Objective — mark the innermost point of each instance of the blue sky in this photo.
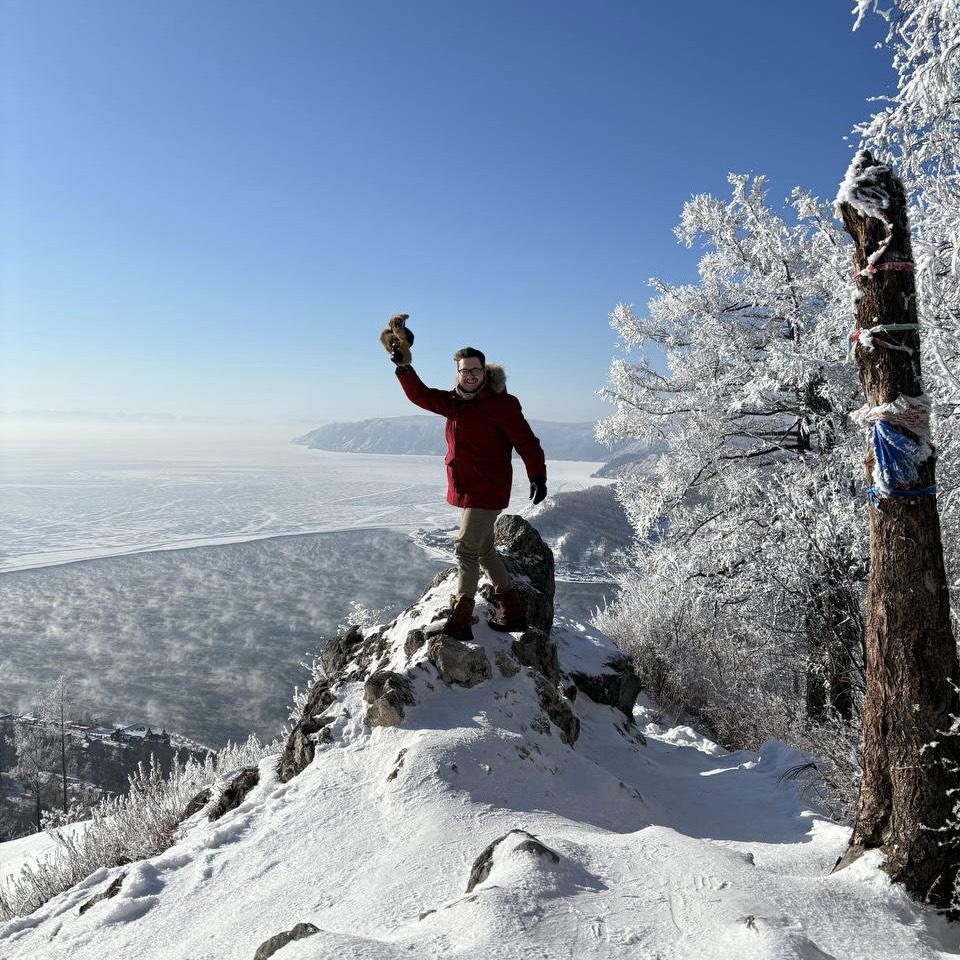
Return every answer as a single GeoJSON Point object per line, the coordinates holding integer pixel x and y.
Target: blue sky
{"type": "Point", "coordinates": [210, 208]}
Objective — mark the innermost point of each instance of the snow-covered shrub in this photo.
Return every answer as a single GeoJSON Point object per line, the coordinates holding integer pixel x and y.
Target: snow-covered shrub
{"type": "Point", "coordinates": [125, 829]}
{"type": "Point", "coordinates": [363, 617]}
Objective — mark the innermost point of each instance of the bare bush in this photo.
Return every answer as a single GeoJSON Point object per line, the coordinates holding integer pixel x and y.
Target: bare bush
{"type": "Point", "coordinates": [122, 830]}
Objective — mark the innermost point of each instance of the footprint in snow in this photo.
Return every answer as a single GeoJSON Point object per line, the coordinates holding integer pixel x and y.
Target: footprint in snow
{"type": "Point", "coordinates": [710, 884]}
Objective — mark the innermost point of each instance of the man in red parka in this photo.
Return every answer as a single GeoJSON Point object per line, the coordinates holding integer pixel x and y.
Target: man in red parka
{"type": "Point", "coordinates": [484, 425]}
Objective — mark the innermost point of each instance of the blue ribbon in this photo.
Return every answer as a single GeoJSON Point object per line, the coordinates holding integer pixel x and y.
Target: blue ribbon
{"type": "Point", "coordinates": [876, 494]}
{"type": "Point", "coordinates": [897, 456]}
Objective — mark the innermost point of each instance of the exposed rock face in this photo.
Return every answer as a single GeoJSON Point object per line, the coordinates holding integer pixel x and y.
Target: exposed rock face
{"type": "Point", "coordinates": [484, 863]}
{"type": "Point", "coordinates": [107, 894]}
{"type": "Point", "coordinates": [618, 689]}
{"type": "Point", "coordinates": [387, 693]}
{"type": "Point", "coordinates": [236, 790]}
{"type": "Point", "coordinates": [558, 710]}
{"type": "Point", "coordinates": [269, 947]}
{"type": "Point", "coordinates": [506, 664]}
{"type": "Point", "coordinates": [415, 640]}
{"type": "Point", "coordinates": [197, 803]}
{"type": "Point", "coordinates": [528, 558]}
{"type": "Point", "coordinates": [534, 649]}
{"type": "Point", "coordinates": [339, 651]}
{"type": "Point", "coordinates": [458, 662]}
{"type": "Point", "coordinates": [441, 577]}
{"type": "Point", "coordinates": [301, 747]}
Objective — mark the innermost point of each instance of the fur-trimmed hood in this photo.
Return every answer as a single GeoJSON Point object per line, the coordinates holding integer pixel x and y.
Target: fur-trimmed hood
{"type": "Point", "coordinates": [496, 378]}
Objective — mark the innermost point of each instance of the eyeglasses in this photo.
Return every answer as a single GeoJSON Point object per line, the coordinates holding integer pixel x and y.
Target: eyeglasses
{"type": "Point", "coordinates": [470, 371]}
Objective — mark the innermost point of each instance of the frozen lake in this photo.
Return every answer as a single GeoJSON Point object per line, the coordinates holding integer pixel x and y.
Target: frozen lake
{"type": "Point", "coordinates": [180, 574]}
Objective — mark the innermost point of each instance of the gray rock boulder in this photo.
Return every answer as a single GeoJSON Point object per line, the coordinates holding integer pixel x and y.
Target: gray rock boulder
{"type": "Point", "coordinates": [235, 792]}
{"type": "Point", "coordinates": [339, 651]}
{"type": "Point", "coordinates": [484, 863]}
{"type": "Point", "coordinates": [387, 693]}
{"type": "Point", "coordinates": [531, 565]}
{"type": "Point", "coordinates": [619, 688]}
{"type": "Point", "coordinates": [457, 662]}
{"type": "Point", "coordinates": [558, 709]}
{"type": "Point", "coordinates": [415, 640]}
{"type": "Point", "coordinates": [109, 893]}
{"type": "Point", "coordinates": [535, 649]}
{"type": "Point", "coordinates": [269, 947]}
{"type": "Point", "coordinates": [301, 746]}
{"type": "Point", "coordinates": [199, 801]}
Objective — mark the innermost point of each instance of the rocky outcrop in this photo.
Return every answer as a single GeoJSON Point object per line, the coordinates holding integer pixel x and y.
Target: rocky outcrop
{"type": "Point", "coordinates": [235, 792]}
{"type": "Point", "coordinates": [111, 891]}
{"type": "Point", "coordinates": [529, 845]}
{"type": "Point", "coordinates": [458, 663]}
{"type": "Point", "coordinates": [507, 666]}
{"type": "Point", "coordinates": [197, 803]}
{"type": "Point", "coordinates": [339, 651]}
{"type": "Point", "coordinates": [618, 689]}
{"type": "Point", "coordinates": [415, 640]}
{"type": "Point", "coordinates": [531, 565]}
{"type": "Point", "coordinates": [301, 744]}
{"type": "Point", "coordinates": [387, 693]}
{"type": "Point", "coordinates": [269, 947]}
{"type": "Point", "coordinates": [534, 649]}
{"type": "Point", "coordinates": [558, 709]}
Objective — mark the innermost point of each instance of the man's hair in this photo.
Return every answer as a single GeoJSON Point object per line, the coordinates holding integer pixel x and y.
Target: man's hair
{"type": "Point", "coordinates": [465, 353]}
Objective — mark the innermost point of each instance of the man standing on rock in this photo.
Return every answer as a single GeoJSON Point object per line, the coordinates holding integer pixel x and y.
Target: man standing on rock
{"type": "Point", "coordinates": [484, 425]}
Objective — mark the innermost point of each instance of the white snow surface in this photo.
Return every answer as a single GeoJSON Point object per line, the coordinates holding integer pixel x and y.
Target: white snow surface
{"type": "Point", "coordinates": [669, 849]}
{"type": "Point", "coordinates": [15, 854]}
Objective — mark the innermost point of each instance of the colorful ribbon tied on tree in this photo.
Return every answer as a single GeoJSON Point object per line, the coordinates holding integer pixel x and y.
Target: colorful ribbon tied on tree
{"type": "Point", "coordinates": [896, 455]}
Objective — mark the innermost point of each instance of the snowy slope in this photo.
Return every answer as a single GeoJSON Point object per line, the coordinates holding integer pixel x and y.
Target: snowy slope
{"type": "Point", "coordinates": [659, 844]}
{"type": "Point", "coordinates": [15, 853]}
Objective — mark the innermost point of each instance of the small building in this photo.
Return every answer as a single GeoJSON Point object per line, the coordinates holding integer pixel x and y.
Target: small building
{"type": "Point", "coordinates": [97, 733]}
{"type": "Point", "coordinates": [136, 731]}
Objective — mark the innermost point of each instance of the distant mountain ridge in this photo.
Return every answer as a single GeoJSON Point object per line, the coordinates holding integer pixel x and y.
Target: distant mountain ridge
{"type": "Point", "coordinates": [422, 435]}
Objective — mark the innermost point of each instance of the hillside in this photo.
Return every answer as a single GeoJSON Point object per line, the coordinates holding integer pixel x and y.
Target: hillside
{"type": "Point", "coordinates": [423, 435]}
{"type": "Point", "coordinates": [500, 799]}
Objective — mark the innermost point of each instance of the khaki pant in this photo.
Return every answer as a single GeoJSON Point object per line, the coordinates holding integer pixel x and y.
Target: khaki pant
{"type": "Point", "coordinates": [474, 546]}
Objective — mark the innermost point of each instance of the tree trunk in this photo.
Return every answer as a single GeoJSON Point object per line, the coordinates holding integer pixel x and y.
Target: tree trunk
{"type": "Point", "coordinates": [63, 754]}
{"type": "Point", "coordinates": [909, 765]}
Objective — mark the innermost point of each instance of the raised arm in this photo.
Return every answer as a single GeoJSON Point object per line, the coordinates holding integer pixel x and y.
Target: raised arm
{"type": "Point", "coordinates": [436, 401]}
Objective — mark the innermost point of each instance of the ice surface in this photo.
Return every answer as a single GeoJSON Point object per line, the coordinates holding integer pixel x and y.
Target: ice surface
{"type": "Point", "coordinates": [151, 631]}
{"type": "Point", "coordinates": [94, 493]}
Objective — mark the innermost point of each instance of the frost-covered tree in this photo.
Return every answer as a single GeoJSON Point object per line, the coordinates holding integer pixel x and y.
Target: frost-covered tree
{"type": "Point", "coordinates": [36, 756]}
{"type": "Point", "coordinates": [750, 552]}
{"type": "Point", "coordinates": [918, 132]}
{"type": "Point", "coordinates": [54, 707]}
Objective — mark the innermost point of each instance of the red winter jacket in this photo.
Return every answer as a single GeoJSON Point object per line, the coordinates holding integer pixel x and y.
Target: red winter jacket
{"type": "Point", "coordinates": [481, 432]}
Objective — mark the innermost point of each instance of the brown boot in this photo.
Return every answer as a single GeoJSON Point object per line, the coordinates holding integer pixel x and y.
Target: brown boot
{"type": "Point", "coordinates": [458, 624]}
{"type": "Point", "coordinates": [511, 616]}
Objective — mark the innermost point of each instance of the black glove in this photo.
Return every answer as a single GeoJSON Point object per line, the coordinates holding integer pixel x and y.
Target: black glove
{"type": "Point", "coordinates": [396, 355]}
{"type": "Point", "coordinates": [538, 489]}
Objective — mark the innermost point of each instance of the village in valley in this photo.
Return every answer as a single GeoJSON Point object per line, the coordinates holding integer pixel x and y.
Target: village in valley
{"type": "Point", "coordinates": [91, 761]}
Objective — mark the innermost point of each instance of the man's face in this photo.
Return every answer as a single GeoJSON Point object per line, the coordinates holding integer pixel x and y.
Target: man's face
{"type": "Point", "coordinates": [470, 374]}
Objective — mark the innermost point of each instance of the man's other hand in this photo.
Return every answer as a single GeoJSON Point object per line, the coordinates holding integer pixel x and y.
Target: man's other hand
{"type": "Point", "coordinates": [538, 489]}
